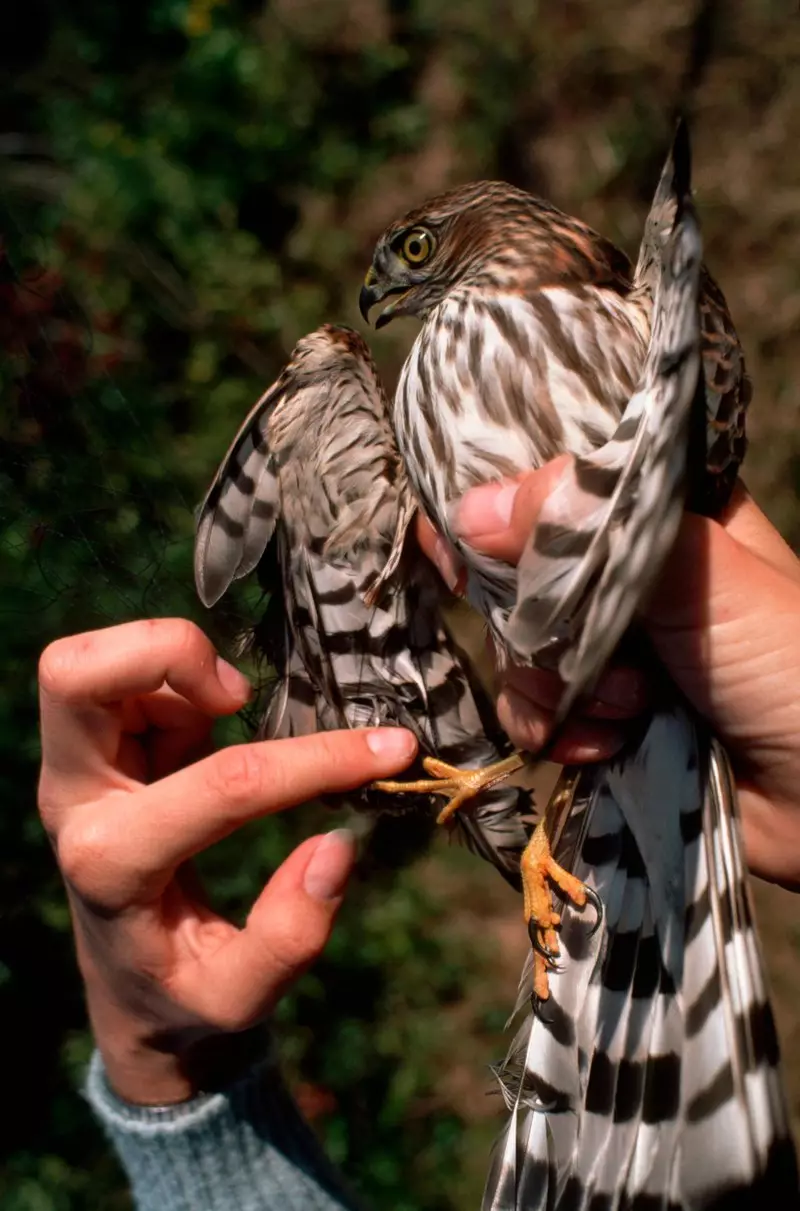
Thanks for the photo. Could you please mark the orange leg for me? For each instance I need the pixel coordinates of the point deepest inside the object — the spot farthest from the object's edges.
(538, 867)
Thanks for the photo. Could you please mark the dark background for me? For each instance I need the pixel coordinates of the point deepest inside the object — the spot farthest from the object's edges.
(186, 188)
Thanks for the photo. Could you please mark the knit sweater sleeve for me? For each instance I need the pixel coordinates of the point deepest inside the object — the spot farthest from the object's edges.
(246, 1148)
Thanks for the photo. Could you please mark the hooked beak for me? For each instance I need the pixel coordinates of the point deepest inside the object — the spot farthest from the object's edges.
(367, 299)
(373, 292)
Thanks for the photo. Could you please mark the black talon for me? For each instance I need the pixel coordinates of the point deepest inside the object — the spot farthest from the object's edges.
(536, 1009)
(597, 905)
(548, 955)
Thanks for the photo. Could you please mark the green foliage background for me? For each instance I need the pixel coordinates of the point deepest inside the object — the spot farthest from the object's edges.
(187, 186)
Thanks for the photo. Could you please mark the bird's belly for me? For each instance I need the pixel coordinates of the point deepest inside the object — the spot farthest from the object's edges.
(503, 395)
(483, 452)
(446, 460)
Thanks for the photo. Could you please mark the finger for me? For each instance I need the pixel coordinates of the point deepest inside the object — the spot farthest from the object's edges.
(745, 522)
(715, 566)
(441, 555)
(173, 732)
(528, 727)
(621, 693)
(104, 667)
(85, 678)
(120, 852)
(241, 981)
(164, 710)
(498, 519)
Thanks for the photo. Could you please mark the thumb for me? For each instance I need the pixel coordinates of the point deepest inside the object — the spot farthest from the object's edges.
(498, 519)
(292, 919)
(286, 930)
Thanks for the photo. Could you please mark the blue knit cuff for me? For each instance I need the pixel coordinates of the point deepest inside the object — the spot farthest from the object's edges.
(246, 1148)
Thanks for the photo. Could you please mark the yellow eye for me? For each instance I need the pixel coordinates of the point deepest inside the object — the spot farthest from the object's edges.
(417, 246)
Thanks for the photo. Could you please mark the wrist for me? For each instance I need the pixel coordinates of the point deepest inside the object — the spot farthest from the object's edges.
(147, 1066)
(144, 1076)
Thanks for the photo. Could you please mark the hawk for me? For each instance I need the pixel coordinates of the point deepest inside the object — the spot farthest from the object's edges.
(644, 1074)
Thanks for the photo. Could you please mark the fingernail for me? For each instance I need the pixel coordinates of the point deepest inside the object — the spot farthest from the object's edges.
(328, 871)
(578, 751)
(485, 510)
(233, 681)
(446, 562)
(391, 742)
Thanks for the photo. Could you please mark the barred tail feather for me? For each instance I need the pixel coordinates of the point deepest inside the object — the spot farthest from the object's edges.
(649, 1078)
(293, 709)
(732, 1096)
(543, 1077)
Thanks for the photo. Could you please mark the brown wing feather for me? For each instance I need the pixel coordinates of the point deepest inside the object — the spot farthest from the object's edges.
(728, 392)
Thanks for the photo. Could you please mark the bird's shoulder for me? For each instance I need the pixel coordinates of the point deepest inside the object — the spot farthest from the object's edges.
(539, 246)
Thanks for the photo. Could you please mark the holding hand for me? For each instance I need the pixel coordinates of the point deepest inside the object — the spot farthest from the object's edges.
(724, 619)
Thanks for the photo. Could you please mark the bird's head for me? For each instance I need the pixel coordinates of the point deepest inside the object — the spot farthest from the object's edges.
(423, 255)
(488, 234)
(412, 265)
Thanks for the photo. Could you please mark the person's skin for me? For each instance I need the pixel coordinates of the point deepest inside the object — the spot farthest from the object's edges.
(724, 619)
(127, 711)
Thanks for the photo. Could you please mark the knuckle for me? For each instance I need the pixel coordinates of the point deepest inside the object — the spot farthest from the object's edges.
(58, 665)
(520, 735)
(327, 748)
(82, 849)
(232, 1019)
(290, 953)
(294, 940)
(326, 756)
(525, 724)
(47, 801)
(236, 774)
(187, 641)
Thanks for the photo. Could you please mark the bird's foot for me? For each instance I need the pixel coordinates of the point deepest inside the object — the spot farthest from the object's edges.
(458, 785)
(538, 869)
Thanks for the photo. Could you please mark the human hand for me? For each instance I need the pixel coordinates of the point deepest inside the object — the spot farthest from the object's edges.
(723, 619)
(126, 713)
